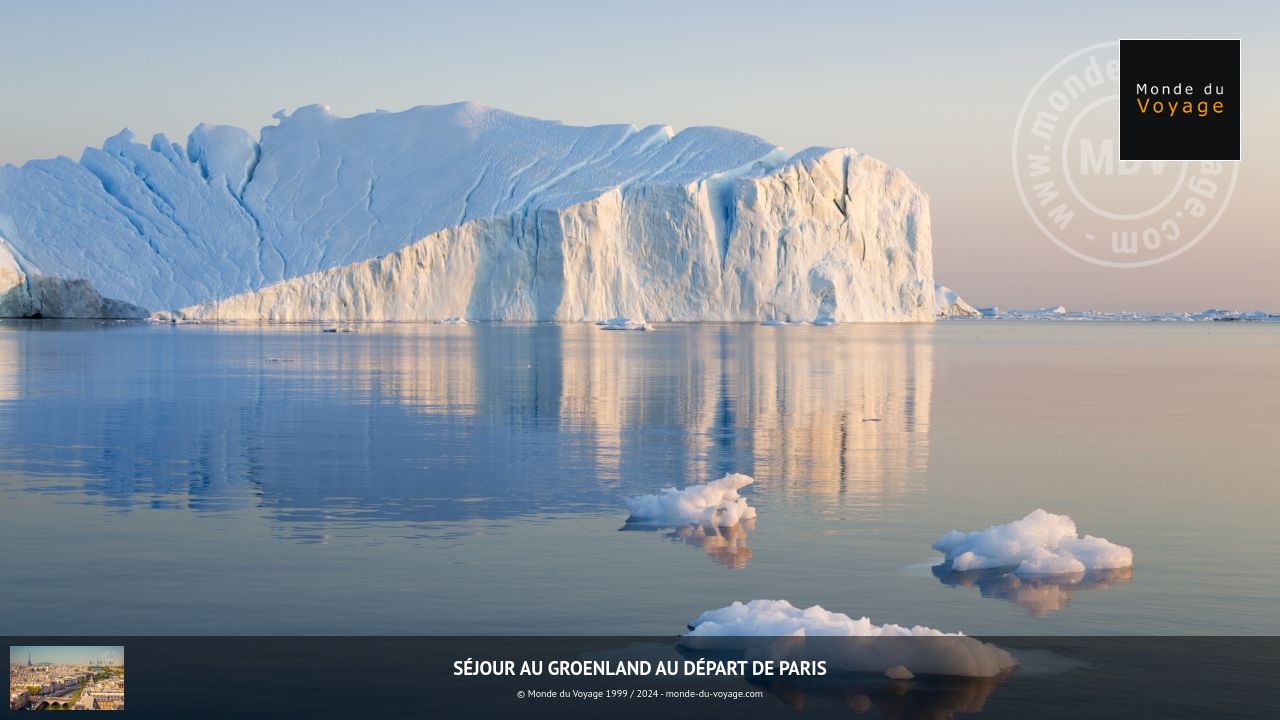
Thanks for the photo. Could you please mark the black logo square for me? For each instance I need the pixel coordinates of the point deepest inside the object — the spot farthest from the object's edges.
(1179, 99)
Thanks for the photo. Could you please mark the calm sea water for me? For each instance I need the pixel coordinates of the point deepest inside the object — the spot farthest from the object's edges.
(456, 480)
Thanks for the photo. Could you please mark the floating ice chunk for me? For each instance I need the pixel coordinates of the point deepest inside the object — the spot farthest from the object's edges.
(824, 322)
(899, 672)
(1041, 543)
(622, 323)
(454, 321)
(339, 330)
(715, 504)
(776, 618)
(779, 630)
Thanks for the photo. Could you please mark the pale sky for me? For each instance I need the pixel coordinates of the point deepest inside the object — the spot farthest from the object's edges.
(932, 88)
(66, 654)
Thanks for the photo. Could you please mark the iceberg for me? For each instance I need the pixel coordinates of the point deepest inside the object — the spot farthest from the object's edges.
(776, 629)
(714, 504)
(25, 294)
(471, 212)
(622, 323)
(1041, 543)
(951, 305)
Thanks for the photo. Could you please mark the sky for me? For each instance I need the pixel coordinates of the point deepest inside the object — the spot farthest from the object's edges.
(934, 89)
(65, 654)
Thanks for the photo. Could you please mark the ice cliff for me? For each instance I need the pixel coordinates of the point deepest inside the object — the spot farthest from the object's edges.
(471, 212)
(36, 296)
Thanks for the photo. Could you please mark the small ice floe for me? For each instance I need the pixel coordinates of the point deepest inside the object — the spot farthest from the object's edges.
(453, 321)
(715, 504)
(824, 322)
(340, 329)
(1041, 543)
(778, 630)
(623, 323)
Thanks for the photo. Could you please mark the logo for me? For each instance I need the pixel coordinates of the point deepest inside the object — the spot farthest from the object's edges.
(1180, 99)
(1083, 196)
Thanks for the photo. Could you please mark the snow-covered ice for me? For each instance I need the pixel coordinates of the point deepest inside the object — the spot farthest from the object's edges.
(716, 504)
(1059, 313)
(778, 629)
(951, 305)
(899, 672)
(622, 323)
(27, 293)
(1041, 543)
(468, 211)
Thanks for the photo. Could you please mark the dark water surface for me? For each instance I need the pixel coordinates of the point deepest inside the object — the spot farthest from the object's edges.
(464, 480)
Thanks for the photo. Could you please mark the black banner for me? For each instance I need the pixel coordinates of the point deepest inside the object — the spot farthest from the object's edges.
(390, 677)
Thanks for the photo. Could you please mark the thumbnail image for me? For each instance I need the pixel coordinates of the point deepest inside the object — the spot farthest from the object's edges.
(66, 677)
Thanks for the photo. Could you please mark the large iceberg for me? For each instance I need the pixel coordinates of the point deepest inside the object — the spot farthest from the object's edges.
(471, 212)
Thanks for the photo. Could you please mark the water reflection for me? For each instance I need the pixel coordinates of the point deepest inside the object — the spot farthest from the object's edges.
(960, 680)
(10, 367)
(725, 545)
(1040, 596)
(325, 433)
(925, 698)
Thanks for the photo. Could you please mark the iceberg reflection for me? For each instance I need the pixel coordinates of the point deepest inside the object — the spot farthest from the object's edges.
(725, 545)
(1041, 595)
(410, 424)
(931, 697)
